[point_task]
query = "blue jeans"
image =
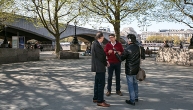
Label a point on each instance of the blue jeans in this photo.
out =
(132, 87)
(117, 68)
(99, 86)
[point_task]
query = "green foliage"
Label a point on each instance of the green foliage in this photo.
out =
(176, 39)
(54, 15)
(116, 11)
(182, 39)
(188, 39)
(175, 10)
(69, 39)
(6, 12)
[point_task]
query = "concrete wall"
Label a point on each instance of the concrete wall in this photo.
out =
(83, 47)
(68, 55)
(175, 56)
(10, 55)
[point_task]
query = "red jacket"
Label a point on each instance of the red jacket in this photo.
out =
(111, 57)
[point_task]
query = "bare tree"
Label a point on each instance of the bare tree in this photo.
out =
(176, 10)
(116, 11)
(54, 15)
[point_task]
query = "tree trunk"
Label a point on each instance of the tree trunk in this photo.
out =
(117, 30)
(57, 46)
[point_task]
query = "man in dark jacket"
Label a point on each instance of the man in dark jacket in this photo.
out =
(132, 56)
(99, 64)
(115, 64)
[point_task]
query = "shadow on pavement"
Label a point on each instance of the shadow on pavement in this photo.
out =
(68, 85)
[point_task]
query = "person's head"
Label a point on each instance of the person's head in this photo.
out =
(131, 38)
(165, 42)
(99, 37)
(112, 38)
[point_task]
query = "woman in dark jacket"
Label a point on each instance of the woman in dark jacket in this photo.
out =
(98, 65)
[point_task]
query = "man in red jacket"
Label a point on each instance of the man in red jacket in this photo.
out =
(115, 64)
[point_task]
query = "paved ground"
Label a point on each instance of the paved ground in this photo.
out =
(68, 85)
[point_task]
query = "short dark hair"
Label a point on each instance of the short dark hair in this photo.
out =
(132, 37)
(99, 35)
(112, 35)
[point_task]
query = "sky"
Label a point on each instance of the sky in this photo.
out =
(155, 27)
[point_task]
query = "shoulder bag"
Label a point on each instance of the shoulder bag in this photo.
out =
(141, 74)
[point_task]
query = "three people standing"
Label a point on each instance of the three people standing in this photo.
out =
(132, 56)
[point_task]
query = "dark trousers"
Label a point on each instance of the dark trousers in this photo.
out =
(99, 87)
(117, 68)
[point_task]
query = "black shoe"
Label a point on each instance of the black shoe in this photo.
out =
(136, 100)
(129, 102)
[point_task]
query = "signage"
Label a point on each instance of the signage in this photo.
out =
(21, 42)
(15, 43)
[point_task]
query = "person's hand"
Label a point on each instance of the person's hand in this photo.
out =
(119, 52)
(108, 64)
(129, 42)
(110, 51)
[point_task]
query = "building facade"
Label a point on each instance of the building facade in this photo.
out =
(165, 32)
(130, 30)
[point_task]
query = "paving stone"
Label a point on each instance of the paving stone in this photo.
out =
(53, 84)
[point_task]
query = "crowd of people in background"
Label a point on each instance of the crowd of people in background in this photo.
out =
(37, 45)
(29, 45)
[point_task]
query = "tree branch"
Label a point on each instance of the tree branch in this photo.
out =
(67, 13)
(42, 19)
(181, 21)
(49, 17)
(68, 24)
(186, 2)
(182, 9)
(60, 6)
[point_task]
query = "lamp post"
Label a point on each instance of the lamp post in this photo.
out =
(75, 47)
(5, 42)
(75, 40)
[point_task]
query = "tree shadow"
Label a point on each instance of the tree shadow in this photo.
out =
(68, 85)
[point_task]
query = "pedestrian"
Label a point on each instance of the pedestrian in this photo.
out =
(88, 50)
(181, 46)
(36, 45)
(132, 56)
(99, 63)
(41, 47)
(9, 45)
(28, 45)
(115, 64)
(166, 44)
